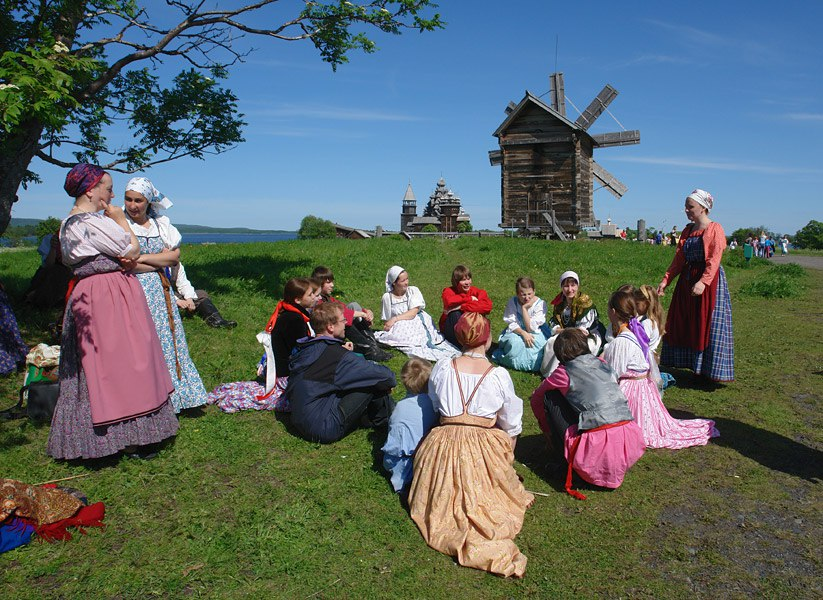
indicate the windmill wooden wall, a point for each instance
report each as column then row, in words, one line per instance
column 547, row 165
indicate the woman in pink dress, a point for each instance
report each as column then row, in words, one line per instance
column 629, row 357
column 114, row 385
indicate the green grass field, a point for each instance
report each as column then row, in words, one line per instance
column 237, row 506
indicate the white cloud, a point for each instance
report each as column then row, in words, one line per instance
column 717, row 165
column 804, row 117
column 337, row 113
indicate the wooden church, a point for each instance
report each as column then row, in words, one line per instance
column 548, row 174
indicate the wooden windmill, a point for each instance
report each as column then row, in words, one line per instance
column 548, row 172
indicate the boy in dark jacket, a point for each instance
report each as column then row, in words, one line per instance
column 332, row 390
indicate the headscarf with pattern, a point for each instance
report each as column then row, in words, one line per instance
column 703, row 198
column 82, row 178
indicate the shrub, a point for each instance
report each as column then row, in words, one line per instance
column 312, row 228
column 464, row 227
column 782, row 281
column 429, row 229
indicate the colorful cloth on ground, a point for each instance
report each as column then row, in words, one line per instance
column 417, row 336
column 660, row 429
column 48, row 509
column 465, row 497
column 249, row 395
column 13, row 349
column 188, row 387
column 699, row 328
column 114, row 343
column 14, row 533
column 410, row 421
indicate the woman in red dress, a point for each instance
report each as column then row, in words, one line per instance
column 699, row 324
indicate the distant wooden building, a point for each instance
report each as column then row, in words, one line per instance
column 444, row 210
column 547, row 167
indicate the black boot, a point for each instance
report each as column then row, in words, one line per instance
column 366, row 344
column 209, row 313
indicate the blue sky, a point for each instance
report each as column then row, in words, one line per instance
column 727, row 97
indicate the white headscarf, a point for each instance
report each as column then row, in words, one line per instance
column 702, row 197
column 568, row 274
column 142, row 185
column 391, row 276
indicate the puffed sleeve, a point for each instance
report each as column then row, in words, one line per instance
column 415, row 298
column 168, row 233
column 714, row 243
column 96, row 234
column 510, row 415
column 510, row 314
column 587, row 320
column 537, row 314
column 183, row 285
column 385, row 312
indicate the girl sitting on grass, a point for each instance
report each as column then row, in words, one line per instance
column 406, row 324
column 288, row 323
column 521, row 344
column 460, row 298
column 630, row 358
column 572, row 309
column 581, row 408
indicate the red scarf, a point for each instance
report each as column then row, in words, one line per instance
column 281, row 306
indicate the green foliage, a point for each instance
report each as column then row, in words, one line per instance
column 464, row 227
column 781, row 281
column 743, row 232
column 47, row 226
column 810, row 237
column 429, row 228
column 312, row 228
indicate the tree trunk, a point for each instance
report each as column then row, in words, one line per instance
column 18, row 150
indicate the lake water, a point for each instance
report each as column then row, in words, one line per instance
column 236, row 238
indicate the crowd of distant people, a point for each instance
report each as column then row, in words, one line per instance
column 126, row 373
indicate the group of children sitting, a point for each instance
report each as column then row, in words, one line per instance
column 599, row 405
column 587, row 390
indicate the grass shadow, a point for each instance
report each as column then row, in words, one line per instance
column 690, row 380
column 260, row 274
column 772, row 450
column 532, row 451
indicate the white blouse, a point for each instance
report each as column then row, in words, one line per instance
column 652, row 331
column 537, row 314
column 623, row 354
column 158, row 227
column 91, row 234
column 496, row 396
column 393, row 306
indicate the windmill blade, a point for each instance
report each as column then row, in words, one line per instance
column 617, row 138
column 495, row 157
column 596, row 108
column 609, row 181
column 558, row 93
column 510, row 108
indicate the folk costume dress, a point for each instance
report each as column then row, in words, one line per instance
column 580, row 313
column 417, row 336
column 114, row 384
column 465, row 496
column 699, row 328
column 627, row 355
column 512, row 351
column 157, row 234
column 592, row 420
column 13, row 349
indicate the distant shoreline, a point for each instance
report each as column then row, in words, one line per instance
column 182, row 228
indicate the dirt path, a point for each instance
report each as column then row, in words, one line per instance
column 810, row 262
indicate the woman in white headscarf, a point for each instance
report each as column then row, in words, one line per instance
column 699, row 324
column 160, row 250
column 406, row 325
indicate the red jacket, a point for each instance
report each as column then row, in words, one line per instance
column 452, row 299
